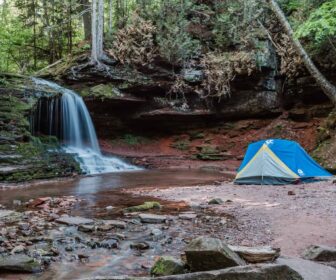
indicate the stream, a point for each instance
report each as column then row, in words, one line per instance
column 95, row 194
column 100, row 190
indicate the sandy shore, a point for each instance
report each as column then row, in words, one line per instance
column 291, row 217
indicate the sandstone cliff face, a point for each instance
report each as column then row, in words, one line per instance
column 124, row 98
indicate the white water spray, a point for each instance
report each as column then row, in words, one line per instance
column 79, row 135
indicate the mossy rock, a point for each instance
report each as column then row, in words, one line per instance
column 182, row 145
column 104, row 91
column 167, row 265
column 144, row 207
column 209, row 153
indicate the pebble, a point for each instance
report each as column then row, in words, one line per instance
column 109, row 244
column 140, row 246
column 17, row 202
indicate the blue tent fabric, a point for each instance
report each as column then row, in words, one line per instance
column 290, row 157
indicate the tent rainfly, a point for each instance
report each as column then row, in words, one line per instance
column 278, row 162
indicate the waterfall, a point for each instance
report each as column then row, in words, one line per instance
column 77, row 132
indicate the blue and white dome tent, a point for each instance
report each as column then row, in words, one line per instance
column 278, row 162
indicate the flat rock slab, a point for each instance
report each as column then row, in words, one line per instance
column 74, row 221
column 6, row 213
column 256, row 254
column 19, row 263
column 9, row 216
column 250, row 272
column 152, row 218
column 309, row 270
column 106, row 225
column 188, row 216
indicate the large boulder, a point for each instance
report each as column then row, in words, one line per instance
column 204, row 253
column 320, row 253
column 167, row 265
column 309, row 270
column 19, row 263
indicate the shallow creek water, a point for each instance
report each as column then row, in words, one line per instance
column 100, row 191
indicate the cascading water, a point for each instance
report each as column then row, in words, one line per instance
column 78, row 133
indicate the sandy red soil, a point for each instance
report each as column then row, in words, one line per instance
column 268, row 214
column 230, row 138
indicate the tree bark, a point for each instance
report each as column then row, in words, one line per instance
column 328, row 88
column 86, row 19
column 110, row 16
column 97, row 30
column 100, row 28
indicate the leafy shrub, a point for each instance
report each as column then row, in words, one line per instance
column 321, row 24
column 175, row 43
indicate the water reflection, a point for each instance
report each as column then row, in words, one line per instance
column 103, row 187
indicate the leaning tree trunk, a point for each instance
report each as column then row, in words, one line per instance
column 326, row 86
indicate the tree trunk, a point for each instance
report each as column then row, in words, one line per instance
column 86, row 19
column 97, row 30
column 34, row 31
column 100, row 28
column 325, row 85
column 94, row 56
column 110, row 17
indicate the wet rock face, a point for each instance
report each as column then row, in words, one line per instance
column 24, row 157
column 204, row 253
column 19, row 263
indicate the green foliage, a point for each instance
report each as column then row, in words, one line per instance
column 321, row 24
column 235, row 23
column 175, row 43
column 37, row 33
column 314, row 23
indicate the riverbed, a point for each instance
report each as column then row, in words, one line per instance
column 288, row 217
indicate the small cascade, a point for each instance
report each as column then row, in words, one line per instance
column 68, row 118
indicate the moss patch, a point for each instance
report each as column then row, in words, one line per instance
column 101, row 91
column 167, row 265
column 144, row 207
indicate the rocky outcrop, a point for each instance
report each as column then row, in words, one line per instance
column 262, row 272
column 23, row 156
